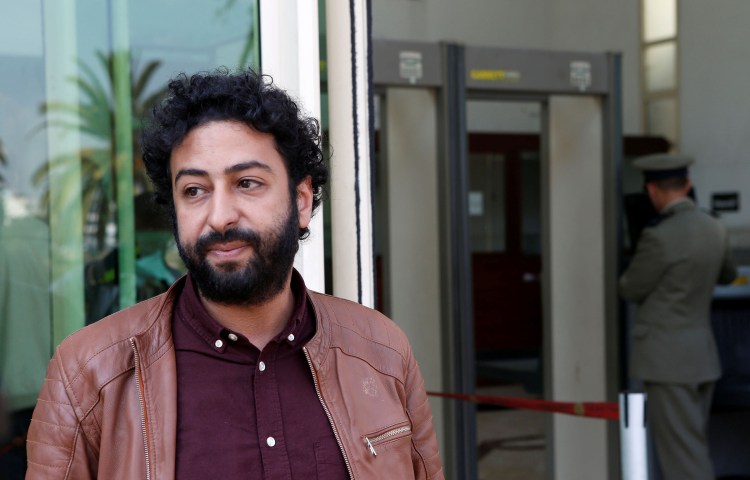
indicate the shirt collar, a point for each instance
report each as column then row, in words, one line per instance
column 214, row 334
column 674, row 203
column 294, row 331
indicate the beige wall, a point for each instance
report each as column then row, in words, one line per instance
column 715, row 103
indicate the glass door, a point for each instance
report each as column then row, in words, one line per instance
column 78, row 236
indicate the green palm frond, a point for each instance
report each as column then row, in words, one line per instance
column 140, row 83
column 94, row 116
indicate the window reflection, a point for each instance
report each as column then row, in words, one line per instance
column 487, row 204
column 219, row 34
column 78, row 78
column 94, row 116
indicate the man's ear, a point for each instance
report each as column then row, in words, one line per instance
column 653, row 194
column 305, row 201
column 688, row 185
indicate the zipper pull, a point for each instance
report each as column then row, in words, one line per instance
column 372, row 449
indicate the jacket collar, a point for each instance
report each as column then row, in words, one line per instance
column 677, row 206
column 156, row 336
column 318, row 345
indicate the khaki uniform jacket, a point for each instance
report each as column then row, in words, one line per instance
column 671, row 278
column 108, row 406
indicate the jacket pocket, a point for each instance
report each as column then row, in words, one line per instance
column 380, row 439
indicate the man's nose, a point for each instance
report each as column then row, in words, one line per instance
column 223, row 213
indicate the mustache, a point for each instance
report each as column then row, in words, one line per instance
column 251, row 237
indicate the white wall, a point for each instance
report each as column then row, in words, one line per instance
column 715, row 104
column 603, row 26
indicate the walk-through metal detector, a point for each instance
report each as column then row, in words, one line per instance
column 581, row 158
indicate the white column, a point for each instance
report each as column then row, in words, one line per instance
column 351, row 206
column 575, row 266
column 289, row 53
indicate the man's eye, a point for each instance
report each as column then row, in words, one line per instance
column 192, row 191
column 248, row 183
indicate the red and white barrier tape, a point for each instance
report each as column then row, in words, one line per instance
column 605, row 410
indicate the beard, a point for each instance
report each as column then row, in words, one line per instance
column 257, row 281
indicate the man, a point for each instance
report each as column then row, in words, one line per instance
column 678, row 260
column 237, row 371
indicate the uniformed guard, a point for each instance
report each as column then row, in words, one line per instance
column 679, row 259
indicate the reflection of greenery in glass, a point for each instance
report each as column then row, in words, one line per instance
column 3, row 161
column 250, row 56
column 94, row 118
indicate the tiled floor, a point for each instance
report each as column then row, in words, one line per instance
column 510, row 443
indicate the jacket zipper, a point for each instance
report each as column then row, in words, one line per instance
column 328, row 413
column 139, row 388
column 371, row 442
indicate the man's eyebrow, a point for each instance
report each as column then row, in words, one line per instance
column 246, row 166
column 227, row 171
column 190, row 171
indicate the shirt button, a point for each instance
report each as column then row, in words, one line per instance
column 271, row 441
column 218, row 343
column 262, row 367
column 290, row 337
column 232, row 337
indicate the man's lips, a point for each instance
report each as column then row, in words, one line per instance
column 227, row 250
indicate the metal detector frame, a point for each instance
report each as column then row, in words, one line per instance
column 459, row 73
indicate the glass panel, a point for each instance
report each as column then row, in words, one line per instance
column 659, row 19
column 661, row 64
column 25, row 270
column 78, row 237
column 531, row 203
column 487, row 203
column 662, row 118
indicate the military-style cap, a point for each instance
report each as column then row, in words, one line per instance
column 663, row 165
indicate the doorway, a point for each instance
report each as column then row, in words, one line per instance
column 504, row 209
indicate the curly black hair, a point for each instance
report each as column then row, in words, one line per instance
column 244, row 96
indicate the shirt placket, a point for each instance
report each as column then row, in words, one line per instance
column 268, row 413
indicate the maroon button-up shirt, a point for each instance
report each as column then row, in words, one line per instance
column 246, row 413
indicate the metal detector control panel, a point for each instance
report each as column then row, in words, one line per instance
column 565, row 73
column 419, row 64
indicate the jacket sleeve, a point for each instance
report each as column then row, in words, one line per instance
column 55, row 445
column 425, row 455
column 645, row 269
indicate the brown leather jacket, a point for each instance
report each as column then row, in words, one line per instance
column 108, row 406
